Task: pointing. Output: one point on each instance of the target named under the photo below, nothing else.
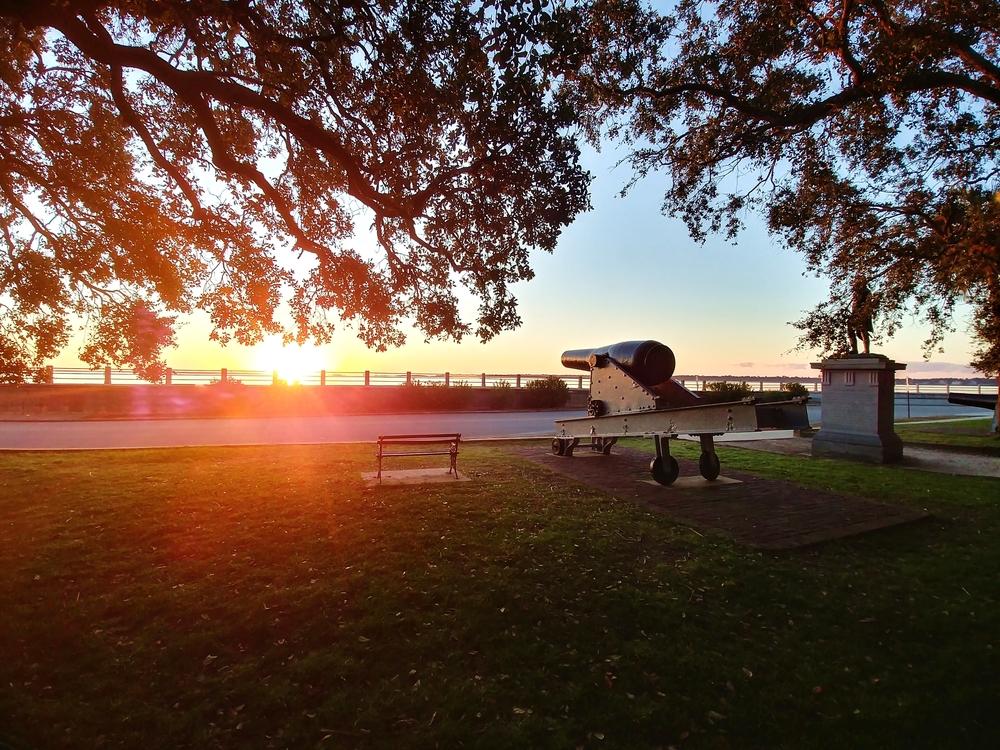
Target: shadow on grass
(263, 597)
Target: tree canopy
(867, 132)
(161, 156)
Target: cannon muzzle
(649, 362)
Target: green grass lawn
(262, 597)
(968, 433)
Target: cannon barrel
(649, 362)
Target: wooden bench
(451, 439)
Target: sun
(294, 364)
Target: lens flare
(294, 364)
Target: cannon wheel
(664, 469)
(558, 447)
(709, 465)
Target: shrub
(736, 390)
(419, 396)
(501, 395)
(458, 395)
(547, 393)
(795, 389)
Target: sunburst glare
(294, 364)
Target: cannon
(632, 394)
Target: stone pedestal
(857, 411)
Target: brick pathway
(762, 513)
(945, 459)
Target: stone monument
(857, 411)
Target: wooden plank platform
(397, 477)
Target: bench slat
(418, 453)
(426, 436)
(416, 442)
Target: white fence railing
(179, 376)
(815, 386)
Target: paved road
(269, 431)
(83, 435)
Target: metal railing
(815, 385)
(184, 376)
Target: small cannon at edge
(632, 394)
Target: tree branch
(806, 115)
(132, 118)
(192, 85)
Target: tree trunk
(996, 411)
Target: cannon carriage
(632, 394)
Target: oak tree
(867, 132)
(161, 156)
